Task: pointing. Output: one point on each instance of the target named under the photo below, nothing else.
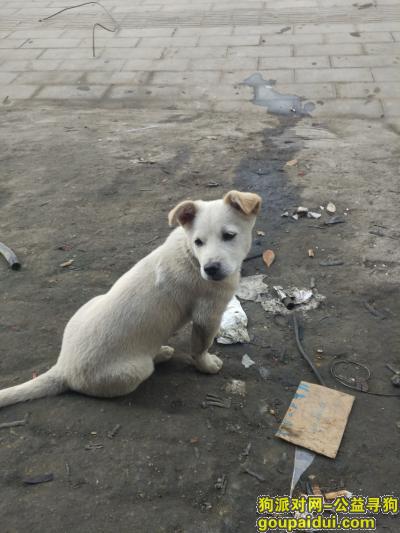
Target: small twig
(151, 240)
(94, 446)
(246, 451)
(331, 262)
(215, 401)
(221, 483)
(377, 232)
(256, 256)
(247, 470)
(380, 233)
(15, 422)
(111, 434)
(369, 307)
(392, 369)
(334, 220)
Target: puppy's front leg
(202, 339)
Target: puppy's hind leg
(118, 379)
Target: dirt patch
(95, 186)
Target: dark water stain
(275, 102)
(263, 172)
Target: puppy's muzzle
(214, 271)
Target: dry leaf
(311, 253)
(67, 263)
(268, 257)
(291, 163)
(260, 233)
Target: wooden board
(316, 418)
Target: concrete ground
(341, 54)
(95, 151)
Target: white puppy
(111, 343)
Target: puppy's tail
(48, 384)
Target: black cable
(304, 353)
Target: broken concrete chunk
(302, 211)
(313, 214)
(331, 208)
(301, 296)
(252, 288)
(236, 386)
(278, 300)
(233, 328)
(247, 362)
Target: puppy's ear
(247, 203)
(182, 214)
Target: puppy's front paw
(209, 363)
(165, 354)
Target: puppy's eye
(228, 236)
(198, 242)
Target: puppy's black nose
(213, 269)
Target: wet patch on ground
(275, 102)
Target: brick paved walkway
(341, 55)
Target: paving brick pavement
(178, 52)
